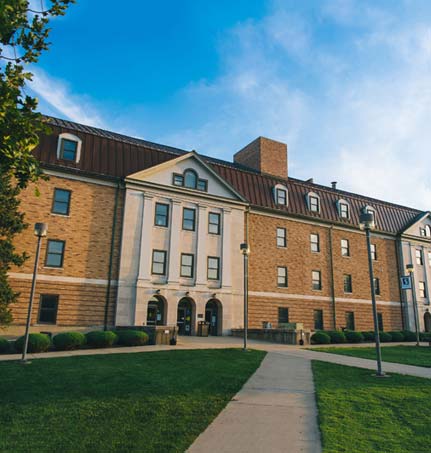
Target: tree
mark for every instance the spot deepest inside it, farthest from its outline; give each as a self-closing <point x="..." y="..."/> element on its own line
<point x="23" y="37"/>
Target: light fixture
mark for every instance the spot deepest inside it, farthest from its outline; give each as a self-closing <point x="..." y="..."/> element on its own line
<point x="366" y="221"/>
<point x="40" y="229"/>
<point x="245" y="249"/>
<point x="157" y="291"/>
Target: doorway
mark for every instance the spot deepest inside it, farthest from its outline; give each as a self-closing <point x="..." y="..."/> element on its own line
<point x="156" y="311"/>
<point x="427" y="321"/>
<point x="185" y="316"/>
<point x="213" y="316"/>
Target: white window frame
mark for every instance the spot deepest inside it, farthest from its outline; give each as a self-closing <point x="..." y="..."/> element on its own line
<point x="73" y="138"/>
<point x="283" y="237"/>
<point x="345" y="246"/>
<point x="315" y="242"/>
<point x="313" y="195"/>
<point x="346" y="203"/>
<point x="278" y="187"/>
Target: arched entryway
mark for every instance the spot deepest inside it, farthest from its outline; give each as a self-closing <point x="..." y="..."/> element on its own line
<point x="156" y="312"/>
<point x="186" y="316"/>
<point x="214" y="316"/>
<point x="427" y="321"/>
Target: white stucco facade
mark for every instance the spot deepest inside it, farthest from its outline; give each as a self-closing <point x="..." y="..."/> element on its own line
<point x="139" y="284"/>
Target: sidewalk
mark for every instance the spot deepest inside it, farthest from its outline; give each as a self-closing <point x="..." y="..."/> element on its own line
<point x="275" y="411"/>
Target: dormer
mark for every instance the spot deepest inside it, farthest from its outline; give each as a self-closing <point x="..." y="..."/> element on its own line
<point x="69" y="147"/>
<point x="370" y="210"/>
<point x="190" y="180"/>
<point x="313" y="202"/>
<point x="343" y="208"/>
<point x="281" y="195"/>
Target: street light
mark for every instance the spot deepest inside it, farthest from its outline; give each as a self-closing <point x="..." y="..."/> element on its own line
<point x="411" y="271"/>
<point x="40" y="230"/>
<point x="366" y="222"/>
<point x="245" y="250"/>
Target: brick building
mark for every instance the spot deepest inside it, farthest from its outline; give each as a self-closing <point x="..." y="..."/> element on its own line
<point x="142" y="233"/>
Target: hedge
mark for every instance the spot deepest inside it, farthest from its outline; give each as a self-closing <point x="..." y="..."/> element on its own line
<point x="4" y="346"/>
<point x="397" y="336"/>
<point x="336" y="336"/>
<point x="132" y="337"/>
<point x="425" y="336"/>
<point x="37" y="342"/>
<point x="101" y="338"/>
<point x="368" y="336"/>
<point x="67" y="341"/>
<point x="353" y="337"/>
<point x="409" y="336"/>
<point x="385" y="337"/>
<point x="320" y="338"/>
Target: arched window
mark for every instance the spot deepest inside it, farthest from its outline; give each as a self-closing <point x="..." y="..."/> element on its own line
<point x="69" y="147"/>
<point x="343" y="208"/>
<point x="313" y="202"/>
<point x="190" y="179"/>
<point x="281" y="195"/>
<point x="427" y="231"/>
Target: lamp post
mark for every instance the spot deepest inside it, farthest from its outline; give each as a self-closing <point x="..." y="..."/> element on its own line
<point x="245" y="250"/>
<point x="366" y="222"/>
<point x="411" y="271"/>
<point x="40" y="230"/>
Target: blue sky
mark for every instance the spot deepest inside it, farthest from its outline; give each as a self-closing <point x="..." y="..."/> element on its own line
<point x="346" y="84"/>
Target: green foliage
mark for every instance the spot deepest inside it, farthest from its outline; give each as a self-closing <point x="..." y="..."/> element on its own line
<point x="23" y="37"/>
<point x="37" y="342"/>
<point x="385" y="337"/>
<point x="101" y="339"/>
<point x="336" y="336"/>
<point x="397" y="336"/>
<point x="66" y="341"/>
<point x="5" y="346"/>
<point x="353" y="337"/>
<point x="424" y="336"/>
<point x="320" y="338"/>
<point x="132" y="337"/>
<point x="409" y="336"/>
<point x="368" y="336"/>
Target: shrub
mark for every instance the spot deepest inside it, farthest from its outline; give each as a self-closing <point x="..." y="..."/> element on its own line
<point x="132" y="337"/>
<point x="368" y="336"/>
<point x="66" y="341"/>
<point x="385" y="337"/>
<point x="336" y="336"/>
<point x="4" y="346"/>
<point x="320" y="338"/>
<point x="353" y="337"/>
<point x="409" y="336"/>
<point x="425" y="336"/>
<point x="101" y="339"/>
<point x="397" y="336"/>
<point x="37" y="342"/>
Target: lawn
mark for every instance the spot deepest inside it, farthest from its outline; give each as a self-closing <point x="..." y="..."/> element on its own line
<point x="359" y="413"/>
<point x="152" y="402"/>
<point x="408" y="355"/>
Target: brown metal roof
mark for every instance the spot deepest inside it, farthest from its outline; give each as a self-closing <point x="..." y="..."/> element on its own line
<point x="110" y="154"/>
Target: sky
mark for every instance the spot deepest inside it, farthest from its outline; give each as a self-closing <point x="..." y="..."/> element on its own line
<point x="346" y="84"/>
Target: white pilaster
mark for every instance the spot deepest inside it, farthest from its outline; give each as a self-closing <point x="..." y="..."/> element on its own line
<point x="226" y="261"/>
<point x="174" y="243"/>
<point x="201" y="252"/>
<point x="146" y="239"/>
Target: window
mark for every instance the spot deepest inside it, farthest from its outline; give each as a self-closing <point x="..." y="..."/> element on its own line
<point x="380" y="321"/>
<point x="377" y="286"/>
<point x="422" y="232"/>
<point x="187" y="265"/>
<point x="314" y="242"/>
<point x="316" y="280"/>
<point x="345" y="247"/>
<point x="350" y="320"/>
<point x="281" y="237"/>
<point x="281" y="196"/>
<point x="48" y="309"/>
<point x="61" y="202"/>
<point x="427" y="231"/>
<point x="159" y="262"/>
<point x="54" y="253"/>
<point x="344" y="211"/>
<point x="429" y="258"/>
<point x="213" y="268"/>
<point x="419" y="257"/>
<point x="422" y="290"/>
<point x="178" y="180"/>
<point x="161" y="217"/>
<point x="283" y="315"/>
<point x="318" y="319"/>
<point x="189" y="219"/>
<point x="190" y="180"/>
<point x="347" y="283"/>
<point x="202" y="185"/>
<point x="314" y="202"/>
<point x="282" y="277"/>
<point x="373" y="252"/>
<point x="69" y="147"/>
<point x="213" y="223"/>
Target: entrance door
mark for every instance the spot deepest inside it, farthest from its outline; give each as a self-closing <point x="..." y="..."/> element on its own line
<point x="184" y="317"/>
<point x="155" y="312"/>
<point x="427" y="321"/>
<point x="212" y="316"/>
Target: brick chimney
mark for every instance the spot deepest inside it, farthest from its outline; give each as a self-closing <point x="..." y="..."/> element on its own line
<point x="265" y="155"/>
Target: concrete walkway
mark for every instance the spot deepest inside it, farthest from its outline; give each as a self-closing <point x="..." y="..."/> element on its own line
<point x="275" y="411"/>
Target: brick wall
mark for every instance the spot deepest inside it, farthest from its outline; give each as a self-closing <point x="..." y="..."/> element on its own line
<point x="87" y="231"/>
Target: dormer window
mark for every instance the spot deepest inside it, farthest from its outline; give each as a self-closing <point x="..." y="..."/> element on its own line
<point x="370" y="210"/>
<point x="280" y="195"/>
<point x="427" y="231"/>
<point x="69" y="147"/>
<point x="313" y="202"/>
<point x="343" y="209"/>
<point x="190" y="180"/>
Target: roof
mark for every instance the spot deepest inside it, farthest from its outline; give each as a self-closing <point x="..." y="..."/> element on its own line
<point x="111" y="154"/>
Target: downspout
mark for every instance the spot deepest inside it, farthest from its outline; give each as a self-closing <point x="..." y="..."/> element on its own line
<point x="331" y="257"/>
<point x="403" y="299"/>
<point x="111" y="257"/>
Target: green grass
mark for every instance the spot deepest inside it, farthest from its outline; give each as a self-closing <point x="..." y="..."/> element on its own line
<point x="408" y="355"/>
<point x="152" y="402"/>
<point x="359" y="413"/>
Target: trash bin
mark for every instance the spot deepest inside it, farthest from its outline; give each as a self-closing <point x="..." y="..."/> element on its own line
<point x="203" y="328"/>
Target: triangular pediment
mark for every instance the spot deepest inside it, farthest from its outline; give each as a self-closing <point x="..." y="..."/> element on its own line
<point x="420" y="227"/>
